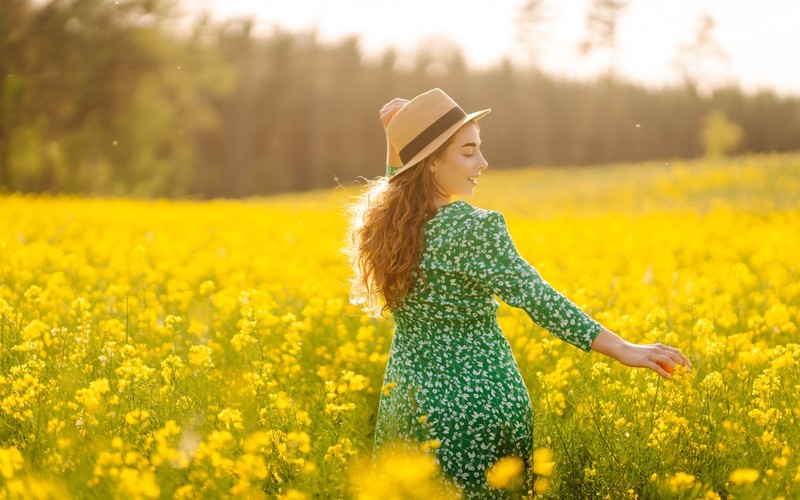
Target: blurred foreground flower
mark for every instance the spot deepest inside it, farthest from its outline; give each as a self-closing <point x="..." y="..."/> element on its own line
<point x="504" y="471"/>
<point x="399" y="471"/>
<point x="744" y="476"/>
<point x="681" y="481"/>
<point x="10" y="461"/>
<point x="542" y="466"/>
<point x="543" y="462"/>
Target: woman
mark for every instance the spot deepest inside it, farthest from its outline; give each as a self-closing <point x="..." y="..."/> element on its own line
<point x="451" y="377"/>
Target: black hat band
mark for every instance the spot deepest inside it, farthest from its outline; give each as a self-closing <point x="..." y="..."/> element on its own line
<point x="433" y="131"/>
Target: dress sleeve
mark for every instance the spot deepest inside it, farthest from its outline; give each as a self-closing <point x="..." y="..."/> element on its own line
<point x="493" y="260"/>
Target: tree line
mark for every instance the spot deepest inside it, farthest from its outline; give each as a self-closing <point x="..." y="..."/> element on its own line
<point x="118" y="98"/>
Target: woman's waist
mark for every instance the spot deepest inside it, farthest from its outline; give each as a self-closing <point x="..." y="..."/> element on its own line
<point x="481" y="336"/>
<point x="451" y="352"/>
<point x="427" y="313"/>
<point x="443" y="327"/>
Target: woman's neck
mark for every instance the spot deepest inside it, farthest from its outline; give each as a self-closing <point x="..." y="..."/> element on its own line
<point x="440" y="202"/>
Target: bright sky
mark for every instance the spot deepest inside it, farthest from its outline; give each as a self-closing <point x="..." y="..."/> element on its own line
<point x="760" y="37"/>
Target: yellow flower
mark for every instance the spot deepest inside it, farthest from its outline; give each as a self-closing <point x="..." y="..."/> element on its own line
<point x="137" y="417"/>
<point x="90" y="397"/>
<point x="173" y="322"/>
<point x="431" y="444"/>
<point x="10" y="461"/>
<point x="293" y="494"/>
<point x="410" y="468"/>
<point x="299" y="440"/>
<point x="281" y="401"/>
<point x="400" y="470"/>
<point x="744" y="476"/>
<point x="341" y="451"/>
<point x="502" y="472"/>
<point x="386" y="389"/>
<point x="97" y="295"/>
<point x="541" y="484"/>
<point x="231" y="418"/>
<point x="335" y="410"/>
<point x="681" y="481"/>
<point x="135" y="483"/>
<point x="200" y="356"/>
<point x="543" y="462"/>
<point x="185" y="492"/>
<point x="207" y="287"/>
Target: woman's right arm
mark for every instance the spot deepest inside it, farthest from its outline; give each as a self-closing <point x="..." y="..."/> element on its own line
<point x="387" y="113"/>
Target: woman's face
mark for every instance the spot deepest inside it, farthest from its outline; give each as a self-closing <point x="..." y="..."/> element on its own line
<point x="461" y="164"/>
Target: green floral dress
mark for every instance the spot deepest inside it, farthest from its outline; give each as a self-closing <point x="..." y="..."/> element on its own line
<point x="451" y="375"/>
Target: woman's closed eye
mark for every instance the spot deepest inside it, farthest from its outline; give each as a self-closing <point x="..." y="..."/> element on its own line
<point x="469" y="149"/>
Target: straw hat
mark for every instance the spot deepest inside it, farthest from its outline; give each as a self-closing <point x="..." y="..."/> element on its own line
<point x="424" y="124"/>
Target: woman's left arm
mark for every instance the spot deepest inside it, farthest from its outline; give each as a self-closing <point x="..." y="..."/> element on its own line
<point x="658" y="357"/>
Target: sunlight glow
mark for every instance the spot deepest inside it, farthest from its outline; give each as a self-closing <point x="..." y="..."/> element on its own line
<point x="759" y="37"/>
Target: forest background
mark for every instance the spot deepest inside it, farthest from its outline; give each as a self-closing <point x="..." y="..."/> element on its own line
<point x="121" y="99"/>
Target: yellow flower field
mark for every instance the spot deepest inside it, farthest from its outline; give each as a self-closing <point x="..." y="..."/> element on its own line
<point x="179" y="349"/>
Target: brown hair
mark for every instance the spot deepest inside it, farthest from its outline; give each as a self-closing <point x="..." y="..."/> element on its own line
<point x="386" y="236"/>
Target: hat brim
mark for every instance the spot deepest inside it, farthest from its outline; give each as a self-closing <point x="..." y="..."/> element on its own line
<point x="434" y="145"/>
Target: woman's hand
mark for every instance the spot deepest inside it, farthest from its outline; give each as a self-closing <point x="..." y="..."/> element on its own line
<point x="390" y="109"/>
<point x="387" y="113"/>
<point x="658" y="357"/>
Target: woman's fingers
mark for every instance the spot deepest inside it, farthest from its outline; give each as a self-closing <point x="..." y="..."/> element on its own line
<point x="391" y="108"/>
<point x="686" y="361"/>
<point x="666" y="361"/>
<point x="660" y="358"/>
<point x="396" y="101"/>
<point x="659" y="369"/>
<point x="394" y="104"/>
<point x="676" y="355"/>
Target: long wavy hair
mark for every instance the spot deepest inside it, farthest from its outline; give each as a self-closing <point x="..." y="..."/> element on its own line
<point x="385" y="237"/>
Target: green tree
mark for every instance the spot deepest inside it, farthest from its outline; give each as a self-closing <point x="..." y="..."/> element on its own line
<point x="123" y="98"/>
